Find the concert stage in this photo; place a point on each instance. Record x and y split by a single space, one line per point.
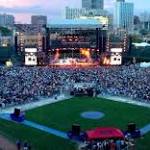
73 62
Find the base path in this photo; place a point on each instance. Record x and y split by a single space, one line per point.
38 126
46 129
145 129
125 100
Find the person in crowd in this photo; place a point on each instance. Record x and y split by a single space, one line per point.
18 144
25 146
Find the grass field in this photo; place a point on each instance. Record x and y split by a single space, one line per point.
63 114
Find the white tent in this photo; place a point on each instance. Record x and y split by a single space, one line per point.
145 64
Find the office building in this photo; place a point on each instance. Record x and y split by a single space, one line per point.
93 4
7 20
145 21
39 20
124 15
76 13
81 13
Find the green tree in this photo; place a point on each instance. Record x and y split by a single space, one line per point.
5 31
136 39
143 32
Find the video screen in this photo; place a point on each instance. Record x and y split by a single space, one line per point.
72 38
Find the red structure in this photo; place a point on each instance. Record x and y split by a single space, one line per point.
104 133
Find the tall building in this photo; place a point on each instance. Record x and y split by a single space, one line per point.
93 4
124 15
7 20
145 20
81 13
39 20
74 13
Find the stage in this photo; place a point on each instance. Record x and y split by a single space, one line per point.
73 62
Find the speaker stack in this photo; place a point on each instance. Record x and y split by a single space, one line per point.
17 112
131 127
76 129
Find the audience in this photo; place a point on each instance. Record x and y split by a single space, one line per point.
108 144
22 84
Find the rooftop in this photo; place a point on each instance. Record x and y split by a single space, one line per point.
143 44
75 23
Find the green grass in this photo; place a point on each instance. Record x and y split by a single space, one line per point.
39 140
63 114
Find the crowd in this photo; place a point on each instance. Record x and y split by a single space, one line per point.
109 144
23 145
23 84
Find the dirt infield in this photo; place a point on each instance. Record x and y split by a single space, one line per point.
5 144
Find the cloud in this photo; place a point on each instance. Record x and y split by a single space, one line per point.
33 9
19 3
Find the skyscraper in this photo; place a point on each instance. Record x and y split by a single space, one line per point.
74 13
93 4
124 15
7 20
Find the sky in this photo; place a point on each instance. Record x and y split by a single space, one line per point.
23 9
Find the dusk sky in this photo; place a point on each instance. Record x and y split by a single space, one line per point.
23 9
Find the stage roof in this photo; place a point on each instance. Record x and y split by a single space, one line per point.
75 23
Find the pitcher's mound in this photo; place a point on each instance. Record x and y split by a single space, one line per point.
92 115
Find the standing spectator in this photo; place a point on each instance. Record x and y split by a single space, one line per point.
18 144
25 146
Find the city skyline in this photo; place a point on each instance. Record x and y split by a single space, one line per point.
24 9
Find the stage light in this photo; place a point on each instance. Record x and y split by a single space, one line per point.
9 63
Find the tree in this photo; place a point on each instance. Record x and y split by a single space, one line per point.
5 31
136 20
143 32
136 39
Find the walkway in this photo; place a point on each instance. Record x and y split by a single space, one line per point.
125 100
145 129
38 126
46 129
41 102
